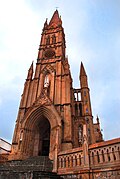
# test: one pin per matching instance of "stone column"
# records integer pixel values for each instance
(85, 147)
(55, 163)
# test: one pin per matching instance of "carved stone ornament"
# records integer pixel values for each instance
(49, 53)
(47, 69)
(42, 99)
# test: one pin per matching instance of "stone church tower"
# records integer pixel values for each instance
(53, 116)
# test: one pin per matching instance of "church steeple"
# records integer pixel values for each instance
(86, 103)
(53, 39)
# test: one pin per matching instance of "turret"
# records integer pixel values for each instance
(98, 133)
(85, 96)
(86, 103)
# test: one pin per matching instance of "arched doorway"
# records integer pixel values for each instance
(42, 138)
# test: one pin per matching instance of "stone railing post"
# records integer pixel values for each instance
(85, 147)
(55, 164)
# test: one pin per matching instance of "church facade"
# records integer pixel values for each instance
(55, 119)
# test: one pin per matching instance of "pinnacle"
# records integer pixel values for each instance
(97, 119)
(30, 71)
(31, 66)
(45, 24)
(82, 70)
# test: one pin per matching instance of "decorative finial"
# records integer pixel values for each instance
(97, 119)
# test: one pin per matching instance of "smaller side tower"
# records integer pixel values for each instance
(82, 113)
(86, 104)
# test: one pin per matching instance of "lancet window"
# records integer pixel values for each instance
(53, 39)
(48, 40)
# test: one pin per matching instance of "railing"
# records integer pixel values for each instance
(101, 155)
(70, 160)
(104, 154)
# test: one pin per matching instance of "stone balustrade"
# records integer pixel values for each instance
(101, 155)
(70, 160)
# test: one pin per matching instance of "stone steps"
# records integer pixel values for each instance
(32, 168)
(41, 163)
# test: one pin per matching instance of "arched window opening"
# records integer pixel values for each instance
(80, 108)
(108, 155)
(76, 110)
(71, 161)
(60, 162)
(113, 152)
(21, 135)
(80, 159)
(80, 135)
(68, 162)
(89, 138)
(53, 39)
(98, 158)
(21, 138)
(103, 157)
(86, 110)
(75, 96)
(119, 152)
(64, 162)
(48, 40)
(75, 160)
(93, 159)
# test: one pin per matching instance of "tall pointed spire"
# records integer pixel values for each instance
(83, 76)
(55, 18)
(82, 70)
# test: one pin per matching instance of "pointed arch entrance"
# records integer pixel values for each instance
(41, 126)
(42, 137)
